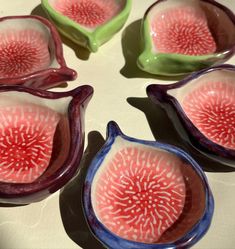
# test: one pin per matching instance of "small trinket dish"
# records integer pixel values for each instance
(202, 107)
(183, 36)
(88, 23)
(41, 141)
(31, 53)
(145, 194)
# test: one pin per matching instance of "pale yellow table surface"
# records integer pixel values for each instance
(43, 225)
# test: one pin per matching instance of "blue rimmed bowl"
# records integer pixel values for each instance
(130, 177)
(201, 107)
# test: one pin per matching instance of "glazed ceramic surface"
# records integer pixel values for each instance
(41, 141)
(58, 222)
(204, 103)
(142, 194)
(88, 23)
(181, 36)
(31, 53)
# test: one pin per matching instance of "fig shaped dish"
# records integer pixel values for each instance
(183, 36)
(88, 23)
(31, 53)
(202, 108)
(145, 194)
(41, 141)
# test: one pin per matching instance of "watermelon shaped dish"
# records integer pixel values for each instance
(88, 23)
(183, 36)
(202, 107)
(41, 141)
(144, 194)
(31, 53)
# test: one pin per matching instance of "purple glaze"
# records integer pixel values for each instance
(50, 77)
(158, 94)
(26, 193)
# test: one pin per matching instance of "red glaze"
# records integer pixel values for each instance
(211, 108)
(23, 52)
(182, 30)
(89, 13)
(140, 194)
(26, 139)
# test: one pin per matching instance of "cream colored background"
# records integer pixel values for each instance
(40, 226)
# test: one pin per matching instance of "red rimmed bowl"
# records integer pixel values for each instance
(41, 141)
(202, 108)
(31, 53)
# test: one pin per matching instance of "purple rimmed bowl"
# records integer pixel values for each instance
(202, 108)
(31, 53)
(41, 141)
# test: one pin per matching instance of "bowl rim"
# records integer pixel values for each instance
(58, 53)
(115, 242)
(80, 97)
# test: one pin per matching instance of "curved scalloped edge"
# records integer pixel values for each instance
(90, 40)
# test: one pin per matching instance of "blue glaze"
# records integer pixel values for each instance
(109, 239)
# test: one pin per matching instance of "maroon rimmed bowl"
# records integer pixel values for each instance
(41, 141)
(31, 53)
(202, 108)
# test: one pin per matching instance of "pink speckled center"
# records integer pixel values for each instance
(26, 137)
(89, 13)
(211, 108)
(182, 30)
(22, 52)
(140, 194)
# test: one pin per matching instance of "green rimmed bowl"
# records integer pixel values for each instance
(88, 23)
(179, 53)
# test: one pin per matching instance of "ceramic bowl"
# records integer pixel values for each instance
(31, 53)
(88, 23)
(144, 194)
(41, 141)
(183, 36)
(202, 109)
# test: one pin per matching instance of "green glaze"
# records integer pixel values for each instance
(91, 40)
(170, 64)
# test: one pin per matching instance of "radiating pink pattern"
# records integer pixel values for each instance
(182, 30)
(26, 139)
(140, 193)
(211, 108)
(89, 13)
(22, 52)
